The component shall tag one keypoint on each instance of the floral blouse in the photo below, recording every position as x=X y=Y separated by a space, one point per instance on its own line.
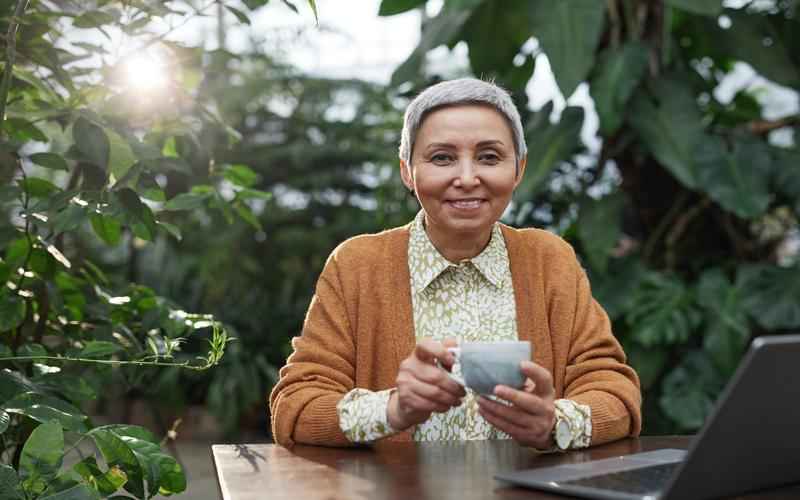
x=471 y=301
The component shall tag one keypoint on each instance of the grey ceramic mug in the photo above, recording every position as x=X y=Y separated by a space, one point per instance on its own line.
x=484 y=365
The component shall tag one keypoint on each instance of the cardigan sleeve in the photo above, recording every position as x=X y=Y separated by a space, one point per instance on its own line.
x=319 y=372
x=597 y=374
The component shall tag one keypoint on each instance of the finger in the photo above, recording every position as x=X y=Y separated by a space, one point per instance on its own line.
x=510 y=414
x=450 y=342
x=504 y=425
x=436 y=393
x=428 y=351
x=543 y=381
x=523 y=426
x=435 y=376
x=526 y=401
x=412 y=401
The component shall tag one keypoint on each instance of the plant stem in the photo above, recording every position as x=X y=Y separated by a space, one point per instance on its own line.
x=185 y=364
x=11 y=56
x=649 y=247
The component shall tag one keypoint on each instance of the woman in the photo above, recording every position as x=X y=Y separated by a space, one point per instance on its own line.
x=368 y=363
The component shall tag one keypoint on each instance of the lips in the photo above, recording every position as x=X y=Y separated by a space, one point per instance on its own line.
x=467 y=203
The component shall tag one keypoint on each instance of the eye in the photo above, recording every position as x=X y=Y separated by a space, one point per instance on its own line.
x=441 y=159
x=489 y=158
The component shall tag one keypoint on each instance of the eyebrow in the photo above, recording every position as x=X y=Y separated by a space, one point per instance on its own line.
x=482 y=144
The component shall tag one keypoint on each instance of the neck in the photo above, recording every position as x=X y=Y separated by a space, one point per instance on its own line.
x=460 y=246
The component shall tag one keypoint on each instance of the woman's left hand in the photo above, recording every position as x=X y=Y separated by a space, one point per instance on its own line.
x=531 y=416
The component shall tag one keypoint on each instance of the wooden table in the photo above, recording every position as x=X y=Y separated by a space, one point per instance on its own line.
x=408 y=471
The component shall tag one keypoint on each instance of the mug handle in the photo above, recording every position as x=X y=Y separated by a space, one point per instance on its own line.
x=455 y=351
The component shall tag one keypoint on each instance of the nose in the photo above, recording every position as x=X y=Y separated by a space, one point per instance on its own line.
x=467 y=175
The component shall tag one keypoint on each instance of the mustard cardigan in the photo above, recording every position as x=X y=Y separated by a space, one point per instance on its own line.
x=359 y=327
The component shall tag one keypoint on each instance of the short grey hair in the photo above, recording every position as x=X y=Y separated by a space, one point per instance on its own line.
x=454 y=93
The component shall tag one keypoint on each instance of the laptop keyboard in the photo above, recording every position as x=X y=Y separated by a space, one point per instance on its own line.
x=643 y=480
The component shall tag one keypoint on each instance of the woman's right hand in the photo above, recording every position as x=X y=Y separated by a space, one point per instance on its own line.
x=422 y=387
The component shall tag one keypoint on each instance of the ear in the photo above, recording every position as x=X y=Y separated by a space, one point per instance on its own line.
x=406 y=175
x=523 y=162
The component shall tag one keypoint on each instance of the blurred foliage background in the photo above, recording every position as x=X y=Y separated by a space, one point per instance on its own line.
x=224 y=192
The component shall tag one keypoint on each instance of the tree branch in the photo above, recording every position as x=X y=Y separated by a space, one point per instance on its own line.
x=763 y=127
x=11 y=56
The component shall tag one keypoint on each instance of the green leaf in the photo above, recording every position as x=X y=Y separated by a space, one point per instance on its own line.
x=771 y=295
x=247 y=215
x=440 y=30
x=138 y=212
x=392 y=7
x=106 y=227
x=41 y=457
x=241 y=175
x=71 y=490
x=23 y=130
x=36 y=187
x=133 y=431
x=689 y=391
x=5 y=420
x=241 y=16
x=72 y=387
x=767 y=42
x=600 y=227
x=69 y=219
x=106 y=482
x=549 y=144
x=121 y=157
x=94 y=19
x=618 y=74
x=45 y=409
x=568 y=31
x=670 y=126
x=10 y=488
x=13 y=383
x=613 y=288
x=786 y=171
x=738 y=180
x=117 y=453
x=649 y=363
x=253 y=194
x=99 y=349
x=163 y=474
x=186 y=201
x=726 y=331
x=12 y=310
x=663 y=311
x=492 y=51
x=702 y=7
x=49 y=160
x=92 y=142
x=172 y=229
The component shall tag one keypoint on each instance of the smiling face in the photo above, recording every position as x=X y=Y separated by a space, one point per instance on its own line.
x=463 y=170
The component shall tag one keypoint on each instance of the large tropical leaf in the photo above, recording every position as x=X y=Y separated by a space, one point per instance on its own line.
x=786 y=172
x=549 y=144
x=739 y=179
x=600 y=227
x=689 y=391
x=10 y=488
x=726 y=324
x=491 y=51
x=43 y=408
x=440 y=30
x=617 y=75
x=568 y=31
x=772 y=295
x=667 y=120
x=663 y=311
x=41 y=457
x=768 y=42
x=392 y=7
x=118 y=454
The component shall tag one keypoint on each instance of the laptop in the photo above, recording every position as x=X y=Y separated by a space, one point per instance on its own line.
x=751 y=441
